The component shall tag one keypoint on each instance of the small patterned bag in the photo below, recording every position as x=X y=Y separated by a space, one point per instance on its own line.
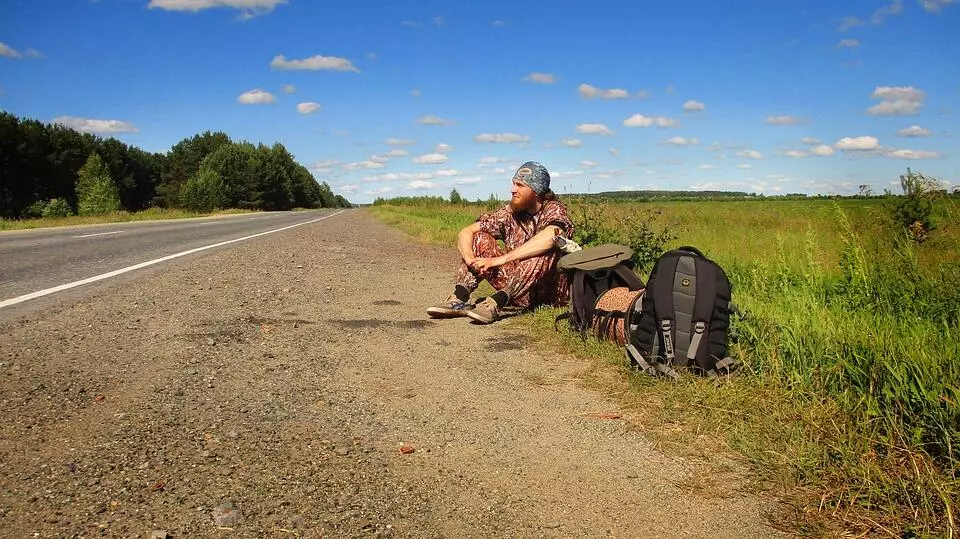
x=614 y=312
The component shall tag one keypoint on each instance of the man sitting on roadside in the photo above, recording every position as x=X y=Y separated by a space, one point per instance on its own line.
x=525 y=275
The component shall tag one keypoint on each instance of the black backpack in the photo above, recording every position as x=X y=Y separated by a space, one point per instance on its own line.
x=591 y=272
x=684 y=319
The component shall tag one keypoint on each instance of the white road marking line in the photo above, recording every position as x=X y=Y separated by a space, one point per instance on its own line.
x=55 y=289
x=99 y=234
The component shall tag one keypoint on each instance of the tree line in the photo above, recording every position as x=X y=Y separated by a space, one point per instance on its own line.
x=56 y=170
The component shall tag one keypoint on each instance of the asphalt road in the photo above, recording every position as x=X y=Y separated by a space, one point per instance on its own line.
x=41 y=259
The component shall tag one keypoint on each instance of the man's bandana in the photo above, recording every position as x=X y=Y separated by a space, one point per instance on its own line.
x=534 y=175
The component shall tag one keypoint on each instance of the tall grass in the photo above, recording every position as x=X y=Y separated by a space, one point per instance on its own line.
x=849 y=399
x=113 y=217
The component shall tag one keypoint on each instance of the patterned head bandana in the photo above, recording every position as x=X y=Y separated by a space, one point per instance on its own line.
x=535 y=176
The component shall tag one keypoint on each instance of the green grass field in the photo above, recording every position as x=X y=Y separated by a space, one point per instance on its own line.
x=116 y=217
x=848 y=405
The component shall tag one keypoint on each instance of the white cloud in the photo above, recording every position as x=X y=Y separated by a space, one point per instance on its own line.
x=490 y=161
x=848 y=43
x=614 y=152
x=415 y=92
x=540 y=78
x=745 y=166
x=9 y=52
x=420 y=185
x=588 y=91
x=324 y=166
x=783 y=120
x=594 y=129
x=250 y=8
x=850 y=22
x=362 y=165
x=499 y=23
x=400 y=142
x=431 y=159
x=430 y=119
x=32 y=53
x=446 y=172
x=912 y=154
x=502 y=138
x=822 y=150
x=571 y=142
x=693 y=106
x=443 y=148
x=857 y=144
x=396 y=152
x=87 y=125
x=810 y=140
x=314 y=63
x=588 y=164
x=308 y=107
x=934 y=6
x=380 y=191
x=897 y=100
x=289 y=88
x=256 y=97
x=399 y=176
x=707 y=166
x=470 y=180
x=439 y=20
x=348 y=188
x=639 y=120
x=914 y=131
x=750 y=154
x=797 y=154
x=380 y=158
x=883 y=12
x=681 y=141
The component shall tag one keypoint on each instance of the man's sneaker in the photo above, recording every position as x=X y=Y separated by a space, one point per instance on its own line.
x=451 y=307
x=485 y=312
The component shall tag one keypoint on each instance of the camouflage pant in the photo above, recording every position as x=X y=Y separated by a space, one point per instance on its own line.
x=530 y=282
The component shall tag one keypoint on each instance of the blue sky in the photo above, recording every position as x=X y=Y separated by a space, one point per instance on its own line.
x=416 y=97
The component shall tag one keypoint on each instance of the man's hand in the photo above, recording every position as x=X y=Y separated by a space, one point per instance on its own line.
x=483 y=265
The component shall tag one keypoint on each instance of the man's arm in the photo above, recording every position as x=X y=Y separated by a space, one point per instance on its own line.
x=535 y=246
x=465 y=243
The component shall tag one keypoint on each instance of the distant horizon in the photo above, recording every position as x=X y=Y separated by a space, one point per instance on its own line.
x=415 y=98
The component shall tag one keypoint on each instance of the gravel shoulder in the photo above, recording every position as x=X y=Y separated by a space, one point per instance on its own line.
x=267 y=391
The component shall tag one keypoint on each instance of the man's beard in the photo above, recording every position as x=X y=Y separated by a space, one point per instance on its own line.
x=523 y=205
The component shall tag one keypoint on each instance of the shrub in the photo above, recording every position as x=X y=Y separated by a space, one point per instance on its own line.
x=203 y=192
x=913 y=212
x=56 y=207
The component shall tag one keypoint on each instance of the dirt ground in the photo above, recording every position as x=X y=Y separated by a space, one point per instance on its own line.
x=267 y=391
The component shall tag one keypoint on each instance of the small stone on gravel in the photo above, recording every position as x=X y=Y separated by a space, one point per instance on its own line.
x=159 y=534
x=407 y=449
x=342 y=451
x=226 y=515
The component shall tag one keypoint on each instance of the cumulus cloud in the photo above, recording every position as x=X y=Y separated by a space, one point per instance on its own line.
x=681 y=141
x=502 y=138
x=540 y=78
x=850 y=22
x=314 y=63
x=443 y=148
x=361 y=165
x=750 y=154
x=88 y=125
x=324 y=166
x=745 y=166
x=914 y=131
x=934 y=6
x=486 y=161
x=897 y=100
x=810 y=140
x=571 y=142
x=308 y=107
x=430 y=119
x=639 y=120
x=588 y=164
x=912 y=154
x=8 y=51
x=431 y=159
x=469 y=180
x=857 y=144
x=894 y=8
x=822 y=150
x=794 y=153
x=707 y=166
x=693 y=106
x=848 y=43
x=588 y=91
x=783 y=120
x=400 y=142
x=348 y=188
x=594 y=129
x=256 y=97
x=420 y=185
x=499 y=23
x=249 y=8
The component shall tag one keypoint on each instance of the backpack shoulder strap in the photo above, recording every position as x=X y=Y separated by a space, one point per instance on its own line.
x=628 y=277
x=703 y=306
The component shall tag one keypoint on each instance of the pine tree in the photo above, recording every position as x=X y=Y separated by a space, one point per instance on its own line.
x=96 y=192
